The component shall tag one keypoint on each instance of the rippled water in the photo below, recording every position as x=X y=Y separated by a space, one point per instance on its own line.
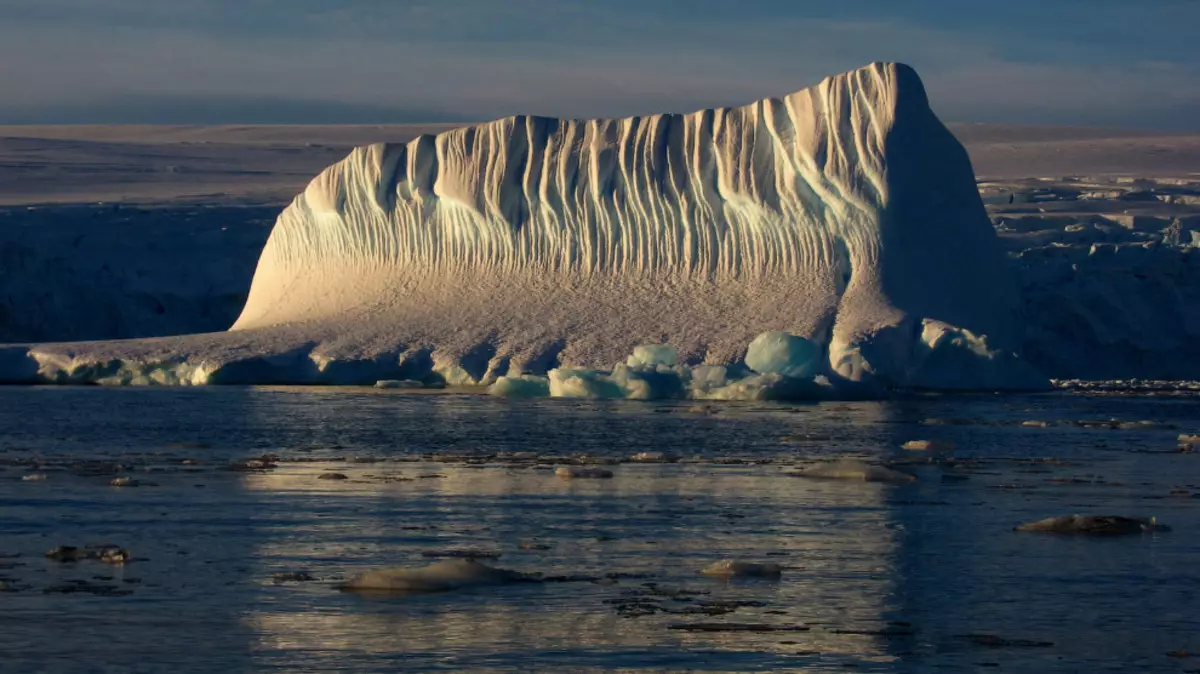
x=884 y=577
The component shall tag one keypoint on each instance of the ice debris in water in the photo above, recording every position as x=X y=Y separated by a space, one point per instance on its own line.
x=653 y=457
x=784 y=354
x=521 y=386
x=852 y=469
x=778 y=366
x=1101 y=525
x=928 y=445
x=1186 y=439
x=582 y=472
x=732 y=568
x=653 y=355
x=440 y=577
x=398 y=383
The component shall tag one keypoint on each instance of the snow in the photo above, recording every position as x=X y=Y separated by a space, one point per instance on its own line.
x=843 y=214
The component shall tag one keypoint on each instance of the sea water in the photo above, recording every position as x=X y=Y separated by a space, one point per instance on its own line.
x=248 y=507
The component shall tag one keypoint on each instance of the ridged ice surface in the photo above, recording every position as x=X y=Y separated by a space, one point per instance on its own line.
x=832 y=213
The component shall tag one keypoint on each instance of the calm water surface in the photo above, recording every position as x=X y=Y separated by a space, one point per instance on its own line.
x=886 y=578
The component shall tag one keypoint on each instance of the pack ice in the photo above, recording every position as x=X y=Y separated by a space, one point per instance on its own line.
x=828 y=240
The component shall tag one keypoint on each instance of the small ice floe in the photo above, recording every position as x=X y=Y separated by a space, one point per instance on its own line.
x=34 y=477
x=652 y=457
x=109 y=554
x=851 y=469
x=1188 y=439
x=521 y=386
x=292 y=577
x=582 y=472
x=1035 y=424
x=398 y=383
x=1098 y=525
x=124 y=482
x=928 y=446
x=1143 y=425
x=733 y=568
x=440 y=577
x=264 y=462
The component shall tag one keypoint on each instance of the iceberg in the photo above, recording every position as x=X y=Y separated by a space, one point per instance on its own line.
x=832 y=226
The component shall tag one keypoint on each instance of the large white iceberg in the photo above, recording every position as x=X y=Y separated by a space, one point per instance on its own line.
x=844 y=215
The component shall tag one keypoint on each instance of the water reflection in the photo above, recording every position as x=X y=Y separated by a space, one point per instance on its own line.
x=664 y=521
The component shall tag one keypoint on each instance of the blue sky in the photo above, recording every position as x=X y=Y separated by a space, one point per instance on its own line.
x=1106 y=62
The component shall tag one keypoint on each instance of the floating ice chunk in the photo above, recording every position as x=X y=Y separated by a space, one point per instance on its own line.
x=439 y=577
x=623 y=382
x=1101 y=525
x=928 y=445
x=653 y=355
x=769 y=387
x=398 y=383
x=456 y=375
x=1186 y=439
x=705 y=379
x=785 y=354
x=732 y=568
x=648 y=383
x=521 y=386
x=851 y=469
x=949 y=358
x=582 y=472
x=653 y=457
x=568 y=382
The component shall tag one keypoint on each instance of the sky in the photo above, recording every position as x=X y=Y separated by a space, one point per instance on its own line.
x=1079 y=62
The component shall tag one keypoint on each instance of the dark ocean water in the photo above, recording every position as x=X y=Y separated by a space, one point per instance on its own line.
x=885 y=578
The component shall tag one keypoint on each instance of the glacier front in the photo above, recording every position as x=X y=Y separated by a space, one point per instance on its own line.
x=845 y=215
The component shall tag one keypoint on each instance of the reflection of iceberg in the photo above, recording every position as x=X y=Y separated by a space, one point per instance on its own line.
x=845 y=214
x=835 y=534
